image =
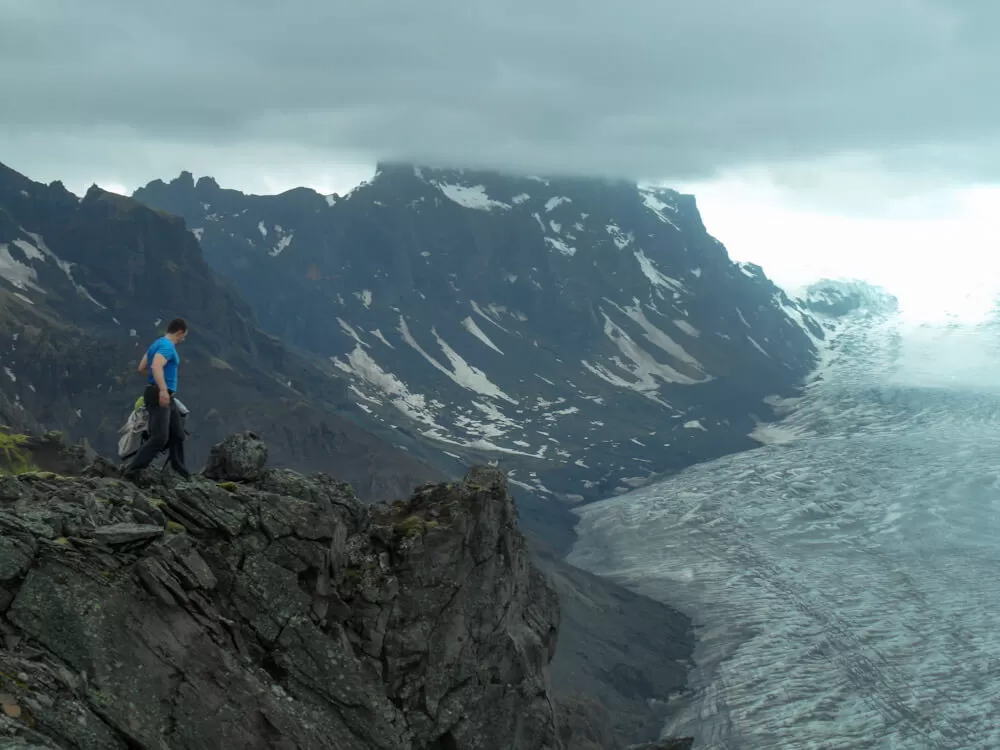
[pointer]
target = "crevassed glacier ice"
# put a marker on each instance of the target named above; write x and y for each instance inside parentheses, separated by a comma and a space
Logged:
(845, 584)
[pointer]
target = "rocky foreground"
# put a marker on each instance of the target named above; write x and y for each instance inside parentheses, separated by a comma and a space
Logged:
(259, 608)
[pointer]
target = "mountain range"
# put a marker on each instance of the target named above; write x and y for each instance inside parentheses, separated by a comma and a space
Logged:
(588, 336)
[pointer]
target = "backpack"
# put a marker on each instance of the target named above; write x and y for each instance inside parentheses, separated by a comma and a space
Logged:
(134, 432)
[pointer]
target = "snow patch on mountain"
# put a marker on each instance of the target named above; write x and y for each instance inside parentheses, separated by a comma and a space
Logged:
(18, 274)
(283, 243)
(562, 247)
(689, 329)
(461, 372)
(470, 325)
(620, 238)
(32, 252)
(646, 370)
(655, 276)
(413, 405)
(378, 334)
(468, 376)
(651, 199)
(25, 277)
(663, 341)
(757, 346)
(470, 196)
(346, 327)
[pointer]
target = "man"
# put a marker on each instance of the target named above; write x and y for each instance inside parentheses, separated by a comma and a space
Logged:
(165, 427)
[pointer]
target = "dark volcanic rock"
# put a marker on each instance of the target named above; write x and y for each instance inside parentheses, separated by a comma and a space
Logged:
(279, 612)
(238, 458)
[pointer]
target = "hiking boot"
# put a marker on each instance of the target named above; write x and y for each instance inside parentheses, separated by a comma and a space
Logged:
(130, 475)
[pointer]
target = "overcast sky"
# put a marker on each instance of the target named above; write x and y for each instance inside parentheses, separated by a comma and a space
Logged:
(796, 122)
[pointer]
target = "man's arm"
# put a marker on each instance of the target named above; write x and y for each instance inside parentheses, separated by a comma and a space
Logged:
(158, 362)
(144, 363)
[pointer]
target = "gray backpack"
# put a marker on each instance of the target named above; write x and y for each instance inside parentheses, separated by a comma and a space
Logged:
(134, 432)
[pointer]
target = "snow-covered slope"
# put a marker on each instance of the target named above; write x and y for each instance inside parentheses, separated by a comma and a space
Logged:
(588, 334)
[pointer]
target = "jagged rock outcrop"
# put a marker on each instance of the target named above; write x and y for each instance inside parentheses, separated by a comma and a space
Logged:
(273, 613)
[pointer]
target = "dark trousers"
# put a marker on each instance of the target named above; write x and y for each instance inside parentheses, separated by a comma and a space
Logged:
(166, 430)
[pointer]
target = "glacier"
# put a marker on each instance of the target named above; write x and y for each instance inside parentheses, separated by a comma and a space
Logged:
(844, 579)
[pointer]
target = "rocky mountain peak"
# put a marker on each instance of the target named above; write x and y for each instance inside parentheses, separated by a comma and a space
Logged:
(207, 185)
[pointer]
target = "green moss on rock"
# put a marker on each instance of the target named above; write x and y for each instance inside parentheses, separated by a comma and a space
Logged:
(14, 456)
(410, 527)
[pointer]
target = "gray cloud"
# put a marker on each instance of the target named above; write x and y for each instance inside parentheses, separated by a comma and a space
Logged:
(668, 89)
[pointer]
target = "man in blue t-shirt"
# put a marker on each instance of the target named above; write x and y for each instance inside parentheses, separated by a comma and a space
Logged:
(165, 427)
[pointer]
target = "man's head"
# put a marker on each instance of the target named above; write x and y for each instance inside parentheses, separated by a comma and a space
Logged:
(177, 330)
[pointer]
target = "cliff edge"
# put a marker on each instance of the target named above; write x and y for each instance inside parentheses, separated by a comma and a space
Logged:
(260, 608)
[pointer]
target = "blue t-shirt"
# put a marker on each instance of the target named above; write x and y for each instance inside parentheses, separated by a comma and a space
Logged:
(165, 347)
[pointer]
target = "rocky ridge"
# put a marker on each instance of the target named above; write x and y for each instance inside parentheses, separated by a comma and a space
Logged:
(259, 608)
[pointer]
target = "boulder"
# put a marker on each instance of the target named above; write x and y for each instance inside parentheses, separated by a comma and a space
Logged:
(239, 458)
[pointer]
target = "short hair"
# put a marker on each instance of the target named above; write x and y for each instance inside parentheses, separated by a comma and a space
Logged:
(177, 325)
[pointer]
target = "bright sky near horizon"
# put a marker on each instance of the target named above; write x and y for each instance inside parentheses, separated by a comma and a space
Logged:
(938, 252)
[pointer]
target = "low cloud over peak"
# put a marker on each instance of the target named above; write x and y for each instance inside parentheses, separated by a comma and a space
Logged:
(644, 89)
